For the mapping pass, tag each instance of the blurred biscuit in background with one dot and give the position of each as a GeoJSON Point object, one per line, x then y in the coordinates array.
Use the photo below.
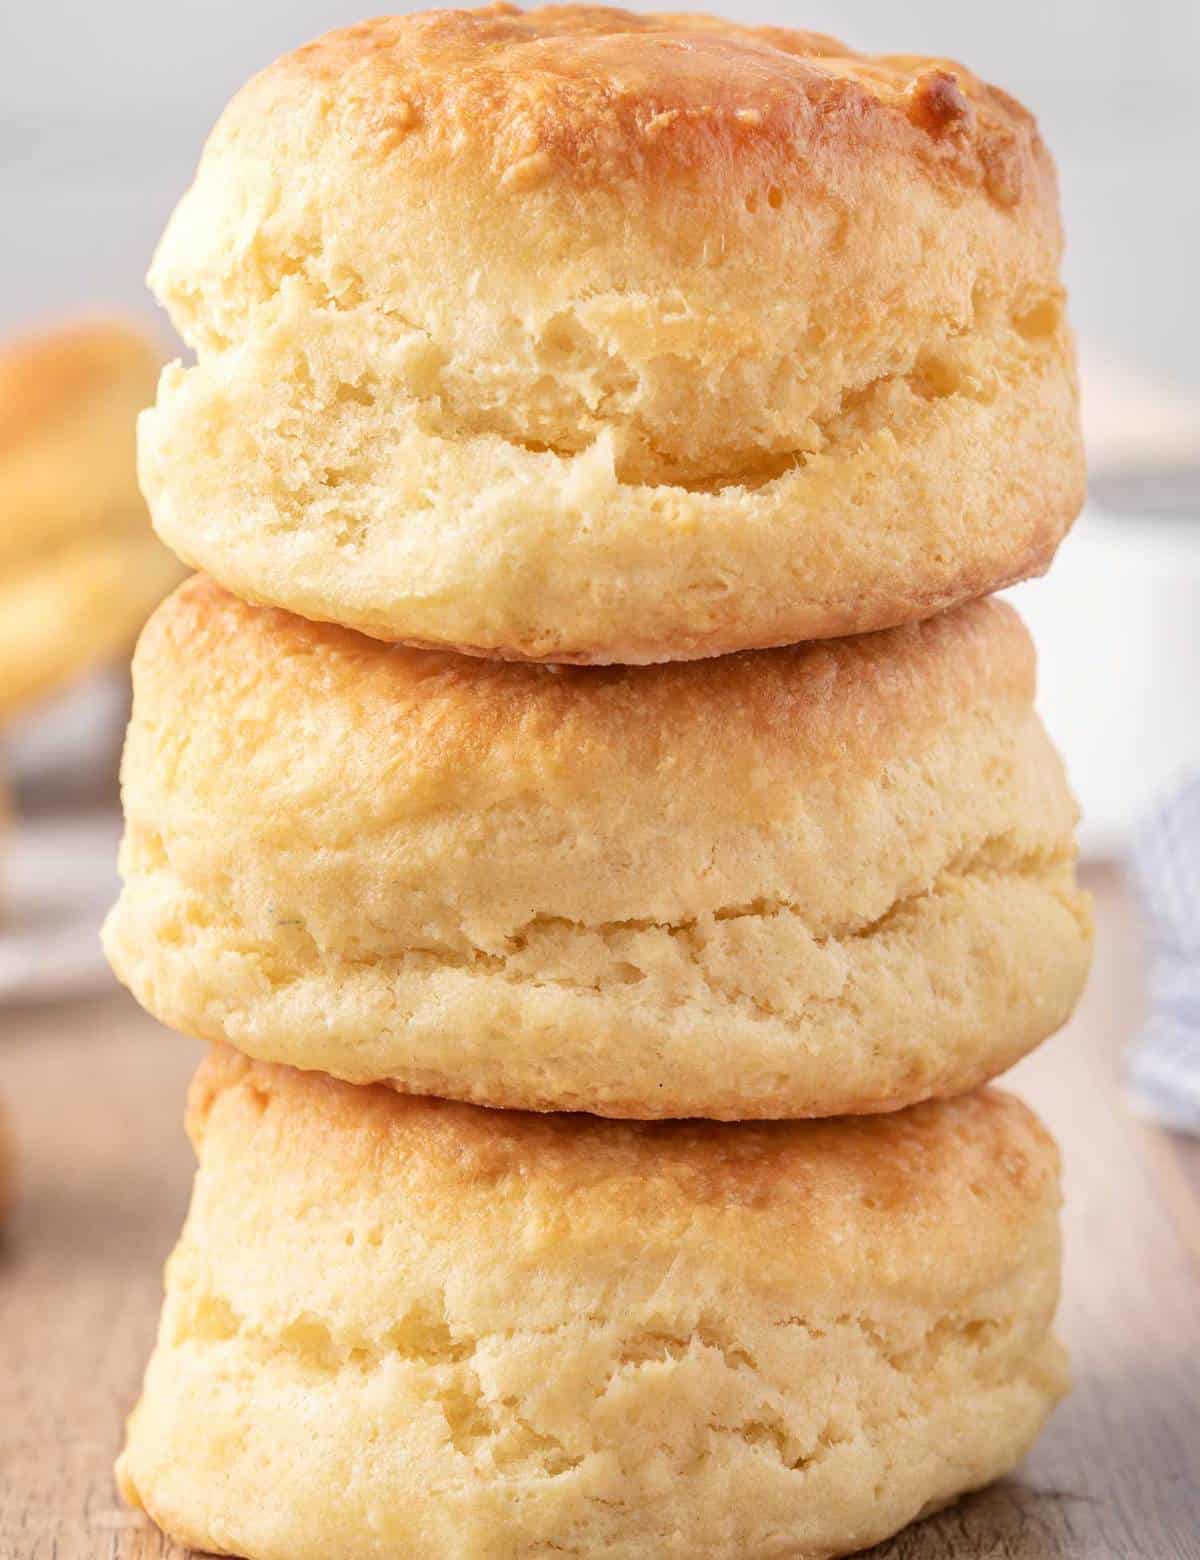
{"type": "Point", "coordinates": [837, 877]}
{"type": "Point", "coordinates": [80, 568]}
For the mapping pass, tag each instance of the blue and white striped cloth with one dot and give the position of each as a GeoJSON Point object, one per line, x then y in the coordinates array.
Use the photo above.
{"type": "Point", "coordinates": [1164, 1065]}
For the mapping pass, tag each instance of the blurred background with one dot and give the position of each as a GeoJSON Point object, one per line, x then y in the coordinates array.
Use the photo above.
{"type": "Point", "coordinates": [102, 113]}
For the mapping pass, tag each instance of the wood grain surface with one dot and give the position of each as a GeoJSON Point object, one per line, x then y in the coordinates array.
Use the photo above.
{"type": "Point", "coordinates": [94, 1097]}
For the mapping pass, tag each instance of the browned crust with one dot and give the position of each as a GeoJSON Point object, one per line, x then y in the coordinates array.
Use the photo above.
{"type": "Point", "coordinates": [804, 703]}
{"type": "Point", "coordinates": [947, 1158]}
{"type": "Point", "coordinates": [592, 95]}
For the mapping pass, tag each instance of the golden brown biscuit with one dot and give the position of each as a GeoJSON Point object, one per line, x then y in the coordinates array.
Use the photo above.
{"type": "Point", "coordinates": [795, 882]}
{"type": "Point", "coordinates": [586, 336]}
{"type": "Point", "coordinates": [400, 1329]}
{"type": "Point", "coordinates": [80, 568]}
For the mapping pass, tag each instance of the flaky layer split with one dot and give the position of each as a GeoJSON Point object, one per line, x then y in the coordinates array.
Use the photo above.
{"type": "Point", "coordinates": [584, 336]}
{"type": "Point", "coordinates": [405, 1328]}
{"type": "Point", "coordinates": [797, 882]}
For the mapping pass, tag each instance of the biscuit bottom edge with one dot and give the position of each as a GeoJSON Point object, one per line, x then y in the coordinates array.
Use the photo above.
{"type": "Point", "coordinates": [402, 1327]}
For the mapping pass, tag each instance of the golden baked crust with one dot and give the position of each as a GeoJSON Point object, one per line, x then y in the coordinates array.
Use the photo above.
{"type": "Point", "coordinates": [660, 116]}
{"type": "Point", "coordinates": [582, 335]}
{"type": "Point", "coordinates": [401, 1327]}
{"type": "Point", "coordinates": [941, 1196]}
{"type": "Point", "coordinates": [596, 96]}
{"type": "Point", "coordinates": [833, 878]}
{"type": "Point", "coordinates": [80, 568]}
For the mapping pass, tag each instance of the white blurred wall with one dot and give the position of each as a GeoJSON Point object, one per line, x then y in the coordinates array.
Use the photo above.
{"type": "Point", "coordinates": [103, 108]}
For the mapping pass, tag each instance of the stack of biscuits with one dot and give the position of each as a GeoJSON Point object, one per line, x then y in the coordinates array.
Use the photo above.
{"type": "Point", "coordinates": [591, 804]}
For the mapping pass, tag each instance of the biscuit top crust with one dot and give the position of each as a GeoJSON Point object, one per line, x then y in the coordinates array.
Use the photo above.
{"type": "Point", "coordinates": [576, 152]}
{"type": "Point", "coordinates": [595, 95]}
{"type": "Point", "coordinates": [714, 246]}
{"type": "Point", "coordinates": [434, 731]}
{"type": "Point", "coordinates": [918, 1200]}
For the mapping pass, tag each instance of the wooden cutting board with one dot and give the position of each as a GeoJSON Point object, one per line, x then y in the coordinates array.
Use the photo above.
{"type": "Point", "coordinates": [94, 1095]}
